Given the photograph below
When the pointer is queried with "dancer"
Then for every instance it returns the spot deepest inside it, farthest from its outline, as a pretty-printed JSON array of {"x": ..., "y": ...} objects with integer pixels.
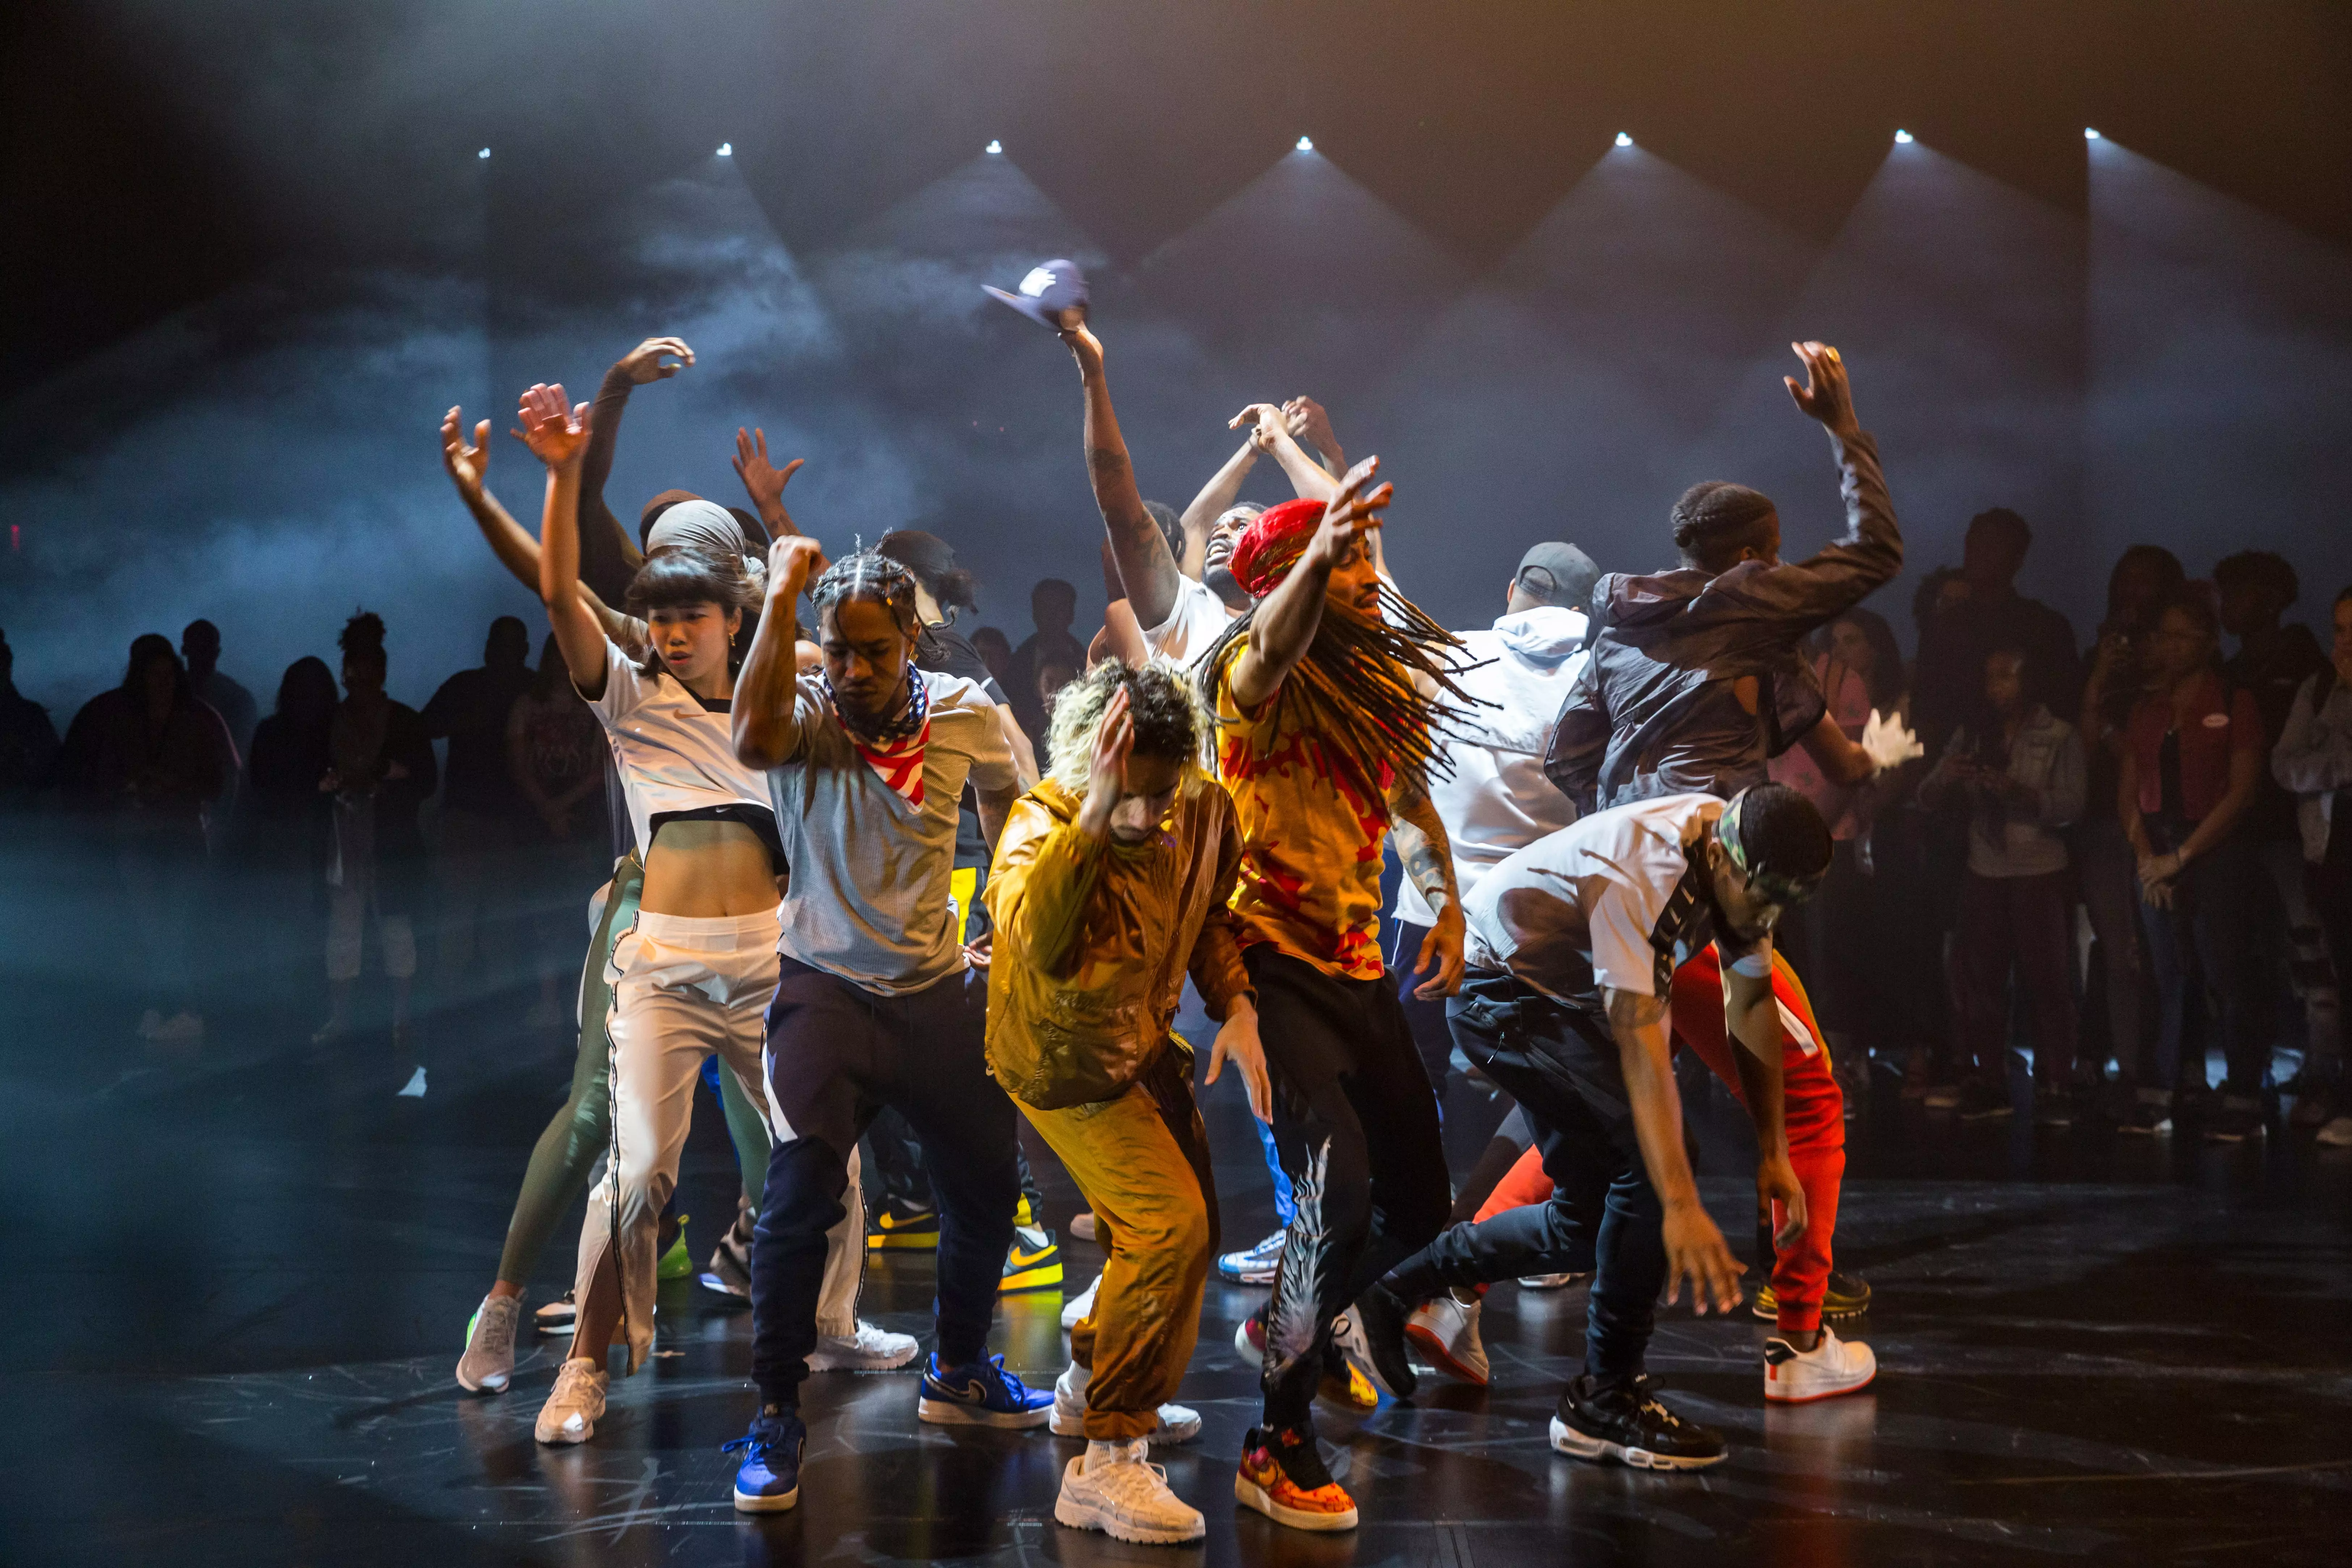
[
  {"x": 1696, "y": 680},
  {"x": 1574, "y": 941},
  {"x": 566, "y": 1151},
  {"x": 875, "y": 1001},
  {"x": 1327, "y": 738},
  {"x": 1112, "y": 881}
]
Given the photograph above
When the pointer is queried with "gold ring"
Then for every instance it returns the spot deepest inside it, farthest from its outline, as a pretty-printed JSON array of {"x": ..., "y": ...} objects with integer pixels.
[{"x": 1833, "y": 354}]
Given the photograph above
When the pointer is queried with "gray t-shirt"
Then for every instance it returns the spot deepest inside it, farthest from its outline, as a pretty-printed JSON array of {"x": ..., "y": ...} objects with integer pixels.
[{"x": 869, "y": 899}]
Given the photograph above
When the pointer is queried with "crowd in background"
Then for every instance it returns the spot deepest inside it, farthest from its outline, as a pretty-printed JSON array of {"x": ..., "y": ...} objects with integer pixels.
[{"x": 2113, "y": 862}]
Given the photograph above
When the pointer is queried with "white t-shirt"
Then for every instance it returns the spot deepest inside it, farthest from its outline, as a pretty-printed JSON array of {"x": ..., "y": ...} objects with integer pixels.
[
  {"x": 1497, "y": 799},
  {"x": 1198, "y": 619},
  {"x": 870, "y": 893},
  {"x": 672, "y": 754},
  {"x": 1612, "y": 902}
]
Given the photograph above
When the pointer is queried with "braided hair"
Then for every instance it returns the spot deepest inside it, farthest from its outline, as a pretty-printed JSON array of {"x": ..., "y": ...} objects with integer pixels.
[
  {"x": 1355, "y": 690},
  {"x": 873, "y": 576}
]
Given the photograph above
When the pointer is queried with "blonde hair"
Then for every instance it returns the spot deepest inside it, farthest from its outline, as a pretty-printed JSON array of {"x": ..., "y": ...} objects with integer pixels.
[{"x": 1161, "y": 702}]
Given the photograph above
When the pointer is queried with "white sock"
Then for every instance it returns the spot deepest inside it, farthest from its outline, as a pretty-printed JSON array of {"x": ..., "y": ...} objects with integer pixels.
[{"x": 1100, "y": 1453}]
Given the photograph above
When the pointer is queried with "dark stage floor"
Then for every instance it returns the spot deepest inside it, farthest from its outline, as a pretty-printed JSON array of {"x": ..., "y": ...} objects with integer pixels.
[{"x": 240, "y": 1285}]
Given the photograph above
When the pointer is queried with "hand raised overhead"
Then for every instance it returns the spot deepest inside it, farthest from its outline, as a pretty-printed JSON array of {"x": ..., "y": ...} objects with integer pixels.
[
  {"x": 555, "y": 431},
  {"x": 762, "y": 480},
  {"x": 469, "y": 465},
  {"x": 644, "y": 364},
  {"x": 791, "y": 561},
  {"x": 1350, "y": 514},
  {"x": 1825, "y": 396},
  {"x": 1084, "y": 347}
]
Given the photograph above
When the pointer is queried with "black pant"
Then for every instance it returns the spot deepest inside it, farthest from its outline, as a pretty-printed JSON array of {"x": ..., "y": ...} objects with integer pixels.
[
  {"x": 1346, "y": 1081},
  {"x": 836, "y": 1055},
  {"x": 1562, "y": 1066}
]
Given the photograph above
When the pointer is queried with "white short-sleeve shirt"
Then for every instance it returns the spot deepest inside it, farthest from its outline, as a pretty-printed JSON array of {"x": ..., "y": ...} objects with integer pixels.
[
  {"x": 673, "y": 751},
  {"x": 1198, "y": 619},
  {"x": 1614, "y": 902}
]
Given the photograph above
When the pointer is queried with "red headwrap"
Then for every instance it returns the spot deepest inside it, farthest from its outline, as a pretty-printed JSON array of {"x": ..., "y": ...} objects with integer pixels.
[{"x": 1272, "y": 544}]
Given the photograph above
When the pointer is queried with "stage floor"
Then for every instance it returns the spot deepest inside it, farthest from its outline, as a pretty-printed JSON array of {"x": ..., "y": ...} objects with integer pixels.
[{"x": 240, "y": 1285}]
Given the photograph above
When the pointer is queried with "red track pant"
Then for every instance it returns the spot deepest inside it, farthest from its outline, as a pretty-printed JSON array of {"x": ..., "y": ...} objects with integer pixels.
[{"x": 1811, "y": 1106}]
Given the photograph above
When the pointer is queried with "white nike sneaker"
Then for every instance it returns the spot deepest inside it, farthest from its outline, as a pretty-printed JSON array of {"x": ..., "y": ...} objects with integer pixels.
[
  {"x": 488, "y": 1362},
  {"x": 1833, "y": 1367},
  {"x": 573, "y": 1410},
  {"x": 1079, "y": 1305},
  {"x": 868, "y": 1350},
  {"x": 1550, "y": 1281},
  {"x": 1446, "y": 1330},
  {"x": 1178, "y": 1423},
  {"x": 1126, "y": 1497}
]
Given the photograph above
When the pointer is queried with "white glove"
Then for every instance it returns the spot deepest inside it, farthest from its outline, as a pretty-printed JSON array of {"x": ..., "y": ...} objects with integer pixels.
[{"x": 1888, "y": 744}]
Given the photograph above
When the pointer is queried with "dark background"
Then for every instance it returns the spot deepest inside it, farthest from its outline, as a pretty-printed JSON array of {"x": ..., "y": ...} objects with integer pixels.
[{"x": 251, "y": 254}]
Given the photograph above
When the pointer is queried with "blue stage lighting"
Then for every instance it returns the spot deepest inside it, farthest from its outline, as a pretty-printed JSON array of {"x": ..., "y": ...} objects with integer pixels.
[
  {"x": 996, "y": 146},
  {"x": 2089, "y": 134},
  {"x": 727, "y": 149},
  {"x": 1305, "y": 144},
  {"x": 1624, "y": 139},
  {"x": 1903, "y": 138},
  {"x": 483, "y": 153}
]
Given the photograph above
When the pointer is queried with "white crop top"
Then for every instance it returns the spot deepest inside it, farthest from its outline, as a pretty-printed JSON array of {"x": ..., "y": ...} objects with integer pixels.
[{"x": 674, "y": 756}]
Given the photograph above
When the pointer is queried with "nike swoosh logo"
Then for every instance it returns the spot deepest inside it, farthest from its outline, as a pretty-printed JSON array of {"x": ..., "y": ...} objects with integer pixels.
[{"x": 1023, "y": 1260}]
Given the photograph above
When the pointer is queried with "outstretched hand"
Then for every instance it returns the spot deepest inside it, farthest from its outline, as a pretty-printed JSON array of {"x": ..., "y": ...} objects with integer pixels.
[
  {"x": 1348, "y": 515},
  {"x": 1825, "y": 395},
  {"x": 555, "y": 431},
  {"x": 644, "y": 364},
  {"x": 1695, "y": 1250},
  {"x": 469, "y": 465},
  {"x": 1308, "y": 423},
  {"x": 762, "y": 480}
]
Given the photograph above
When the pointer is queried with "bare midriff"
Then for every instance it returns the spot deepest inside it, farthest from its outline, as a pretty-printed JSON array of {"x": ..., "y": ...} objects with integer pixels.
[{"x": 702, "y": 870}]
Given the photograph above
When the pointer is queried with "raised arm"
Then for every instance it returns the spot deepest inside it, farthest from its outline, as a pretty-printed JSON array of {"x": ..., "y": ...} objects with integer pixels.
[
  {"x": 557, "y": 434},
  {"x": 767, "y": 690},
  {"x": 764, "y": 482},
  {"x": 1286, "y": 620},
  {"x": 1135, "y": 542},
  {"x": 1271, "y": 434},
  {"x": 1693, "y": 1246},
  {"x": 511, "y": 543},
  {"x": 1311, "y": 427},
  {"x": 1215, "y": 499},
  {"x": 1428, "y": 860},
  {"x": 608, "y": 553}
]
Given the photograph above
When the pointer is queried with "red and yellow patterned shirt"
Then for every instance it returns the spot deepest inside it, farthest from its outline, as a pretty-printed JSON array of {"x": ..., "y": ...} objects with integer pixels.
[{"x": 1312, "y": 826}]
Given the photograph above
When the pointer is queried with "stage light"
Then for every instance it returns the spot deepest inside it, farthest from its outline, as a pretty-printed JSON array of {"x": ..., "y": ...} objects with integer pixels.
[
  {"x": 1624, "y": 139},
  {"x": 2089, "y": 134},
  {"x": 996, "y": 146},
  {"x": 483, "y": 153},
  {"x": 1903, "y": 138},
  {"x": 727, "y": 149},
  {"x": 1305, "y": 144}
]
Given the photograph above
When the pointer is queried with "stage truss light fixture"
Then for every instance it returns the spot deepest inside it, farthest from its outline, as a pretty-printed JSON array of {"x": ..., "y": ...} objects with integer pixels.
[
  {"x": 483, "y": 153},
  {"x": 1903, "y": 138},
  {"x": 1305, "y": 144},
  {"x": 995, "y": 146},
  {"x": 727, "y": 149},
  {"x": 1624, "y": 139},
  {"x": 2089, "y": 134}
]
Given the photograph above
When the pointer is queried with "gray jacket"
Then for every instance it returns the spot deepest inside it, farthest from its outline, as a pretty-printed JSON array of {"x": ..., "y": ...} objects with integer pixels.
[
  {"x": 2006, "y": 840},
  {"x": 1665, "y": 705},
  {"x": 2312, "y": 758}
]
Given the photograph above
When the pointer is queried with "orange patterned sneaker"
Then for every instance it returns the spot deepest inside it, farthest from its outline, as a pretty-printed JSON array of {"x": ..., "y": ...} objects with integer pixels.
[{"x": 1282, "y": 1477}]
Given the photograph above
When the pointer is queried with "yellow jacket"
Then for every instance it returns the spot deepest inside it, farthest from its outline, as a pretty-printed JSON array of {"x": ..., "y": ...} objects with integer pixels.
[{"x": 1094, "y": 938}]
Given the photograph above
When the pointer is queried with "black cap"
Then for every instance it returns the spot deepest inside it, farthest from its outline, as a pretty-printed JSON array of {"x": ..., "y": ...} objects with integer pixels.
[
  {"x": 1559, "y": 573},
  {"x": 1051, "y": 288}
]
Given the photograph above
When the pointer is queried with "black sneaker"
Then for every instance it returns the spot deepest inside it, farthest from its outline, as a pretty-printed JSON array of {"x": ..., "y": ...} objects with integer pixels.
[
  {"x": 2148, "y": 1112},
  {"x": 1844, "y": 1297},
  {"x": 1982, "y": 1100},
  {"x": 1624, "y": 1422},
  {"x": 1372, "y": 1337},
  {"x": 2234, "y": 1120}
]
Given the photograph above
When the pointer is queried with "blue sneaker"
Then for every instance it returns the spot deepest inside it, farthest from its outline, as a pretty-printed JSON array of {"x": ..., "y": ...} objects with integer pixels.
[
  {"x": 1256, "y": 1265},
  {"x": 770, "y": 1478},
  {"x": 980, "y": 1395}
]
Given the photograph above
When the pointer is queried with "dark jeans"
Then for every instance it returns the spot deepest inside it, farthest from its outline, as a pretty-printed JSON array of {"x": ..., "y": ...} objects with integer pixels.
[
  {"x": 2023, "y": 923},
  {"x": 2214, "y": 908},
  {"x": 1346, "y": 1081},
  {"x": 1424, "y": 1015},
  {"x": 836, "y": 1055},
  {"x": 1562, "y": 1066}
]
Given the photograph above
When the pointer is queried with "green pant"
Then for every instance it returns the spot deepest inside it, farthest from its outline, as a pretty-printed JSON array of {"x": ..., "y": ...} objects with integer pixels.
[{"x": 566, "y": 1151}]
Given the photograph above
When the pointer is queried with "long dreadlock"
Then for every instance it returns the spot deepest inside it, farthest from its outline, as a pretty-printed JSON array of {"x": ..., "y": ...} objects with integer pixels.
[{"x": 1355, "y": 691}]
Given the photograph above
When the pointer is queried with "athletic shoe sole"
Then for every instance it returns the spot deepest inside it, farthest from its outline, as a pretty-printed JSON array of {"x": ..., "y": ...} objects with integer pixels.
[
  {"x": 1246, "y": 1276},
  {"x": 1772, "y": 1398},
  {"x": 1249, "y": 1494},
  {"x": 948, "y": 1413},
  {"x": 1769, "y": 1313},
  {"x": 1429, "y": 1345},
  {"x": 819, "y": 1361},
  {"x": 1086, "y": 1516},
  {"x": 1073, "y": 1425},
  {"x": 1030, "y": 1280},
  {"x": 1568, "y": 1440},
  {"x": 780, "y": 1502}
]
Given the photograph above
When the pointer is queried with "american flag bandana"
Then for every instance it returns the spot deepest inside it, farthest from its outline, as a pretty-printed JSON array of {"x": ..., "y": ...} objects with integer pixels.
[{"x": 895, "y": 750}]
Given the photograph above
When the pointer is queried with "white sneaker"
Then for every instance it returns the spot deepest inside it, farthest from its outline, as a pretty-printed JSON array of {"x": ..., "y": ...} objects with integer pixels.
[
  {"x": 571, "y": 1411},
  {"x": 868, "y": 1350},
  {"x": 2336, "y": 1133},
  {"x": 1178, "y": 1423},
  {"x": 557, "y": 1316},
  {"x": 489, "y": 1361},
  {"x": 1446, "y": 1331},
  {"x": 1079, "y": 1305},
  {"x": 1126, "y": 1498},
  {"x": 1833, "y": 1367},
  {"x": 1550, "y": 1281}
]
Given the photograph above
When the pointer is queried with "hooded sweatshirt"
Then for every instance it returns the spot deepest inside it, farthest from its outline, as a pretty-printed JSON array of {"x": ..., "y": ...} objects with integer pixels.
[
  {"x": 1694, "y": 682},
  {"x": 1497, "y": 799}
]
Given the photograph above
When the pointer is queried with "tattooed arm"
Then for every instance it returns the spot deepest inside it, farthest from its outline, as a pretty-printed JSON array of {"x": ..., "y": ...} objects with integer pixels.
[
  {"x": 1145, "y": 565},
  {"x": 1428, "y": 860}
]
